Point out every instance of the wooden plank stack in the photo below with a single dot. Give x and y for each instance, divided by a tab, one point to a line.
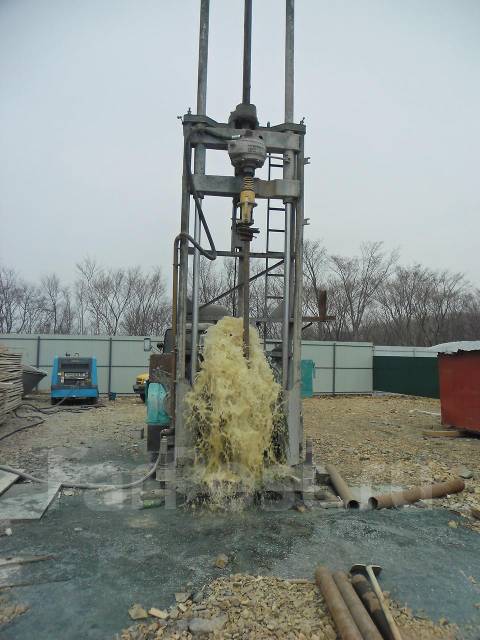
11	385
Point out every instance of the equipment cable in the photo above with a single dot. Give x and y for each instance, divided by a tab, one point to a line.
86	485
47	411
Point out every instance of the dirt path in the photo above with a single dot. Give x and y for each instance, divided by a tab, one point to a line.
380	440
118	422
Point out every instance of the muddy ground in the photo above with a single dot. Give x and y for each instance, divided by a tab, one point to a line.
372	440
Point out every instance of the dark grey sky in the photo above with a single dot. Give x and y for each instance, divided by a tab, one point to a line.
90	147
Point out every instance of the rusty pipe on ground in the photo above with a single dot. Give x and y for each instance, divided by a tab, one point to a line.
358	612
341	487
409	496
370	601
346	627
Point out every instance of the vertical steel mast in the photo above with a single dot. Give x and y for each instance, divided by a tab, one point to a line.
199	166
247	144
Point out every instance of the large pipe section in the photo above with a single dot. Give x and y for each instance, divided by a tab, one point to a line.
247	52
288	174
370	601
289	58
346	627
358	612
199	168
341	487
409	496
295	419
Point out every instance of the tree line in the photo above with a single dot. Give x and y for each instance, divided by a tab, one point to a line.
101	301
370	296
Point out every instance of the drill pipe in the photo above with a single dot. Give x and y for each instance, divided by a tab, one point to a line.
366	594
347	629
409	496
341	487
360	615
176	266
246	298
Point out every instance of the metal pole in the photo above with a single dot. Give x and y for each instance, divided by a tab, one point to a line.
288	173
347	629
203	58
358	612
246	296
289	58
181	435
286	297
334	369
295	418
199	168
109	366
247	51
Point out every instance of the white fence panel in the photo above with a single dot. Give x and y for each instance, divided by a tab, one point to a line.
119	358
340	367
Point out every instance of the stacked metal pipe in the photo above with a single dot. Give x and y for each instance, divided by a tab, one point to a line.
353	606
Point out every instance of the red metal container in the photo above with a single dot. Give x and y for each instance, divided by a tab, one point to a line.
459	375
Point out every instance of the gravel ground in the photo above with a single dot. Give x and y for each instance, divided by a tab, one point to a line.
110	422
375	440
257	607
379	441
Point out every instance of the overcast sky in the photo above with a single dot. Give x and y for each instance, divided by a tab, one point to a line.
90	144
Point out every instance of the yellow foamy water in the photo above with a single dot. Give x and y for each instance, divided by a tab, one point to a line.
232	408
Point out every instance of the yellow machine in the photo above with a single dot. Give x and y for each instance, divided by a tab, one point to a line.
140	385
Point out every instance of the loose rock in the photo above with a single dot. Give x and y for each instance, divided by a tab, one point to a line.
221	561
137	612
198	626
158	613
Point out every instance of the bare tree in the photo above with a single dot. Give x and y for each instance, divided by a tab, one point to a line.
403	304
9	294
370	296
108	293
147	311
315	276
360	278
212	280
56	309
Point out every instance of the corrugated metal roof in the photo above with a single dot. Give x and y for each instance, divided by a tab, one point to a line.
455	347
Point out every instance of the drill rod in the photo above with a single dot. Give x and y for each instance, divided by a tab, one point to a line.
246	297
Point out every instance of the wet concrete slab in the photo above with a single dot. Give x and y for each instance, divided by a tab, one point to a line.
6	480
110	554
26	501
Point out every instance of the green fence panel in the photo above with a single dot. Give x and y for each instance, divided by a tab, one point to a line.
411	376
308	373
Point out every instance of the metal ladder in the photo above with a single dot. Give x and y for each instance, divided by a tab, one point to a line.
273	213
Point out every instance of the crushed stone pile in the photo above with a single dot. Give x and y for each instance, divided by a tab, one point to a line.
264	607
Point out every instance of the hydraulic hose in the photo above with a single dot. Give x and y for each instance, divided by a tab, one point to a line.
85	485
28	426
48	411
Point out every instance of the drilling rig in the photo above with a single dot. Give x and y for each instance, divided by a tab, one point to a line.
250	146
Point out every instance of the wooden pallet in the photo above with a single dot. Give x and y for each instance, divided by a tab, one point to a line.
11	385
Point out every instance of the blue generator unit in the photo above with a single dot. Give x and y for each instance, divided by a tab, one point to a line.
75	378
